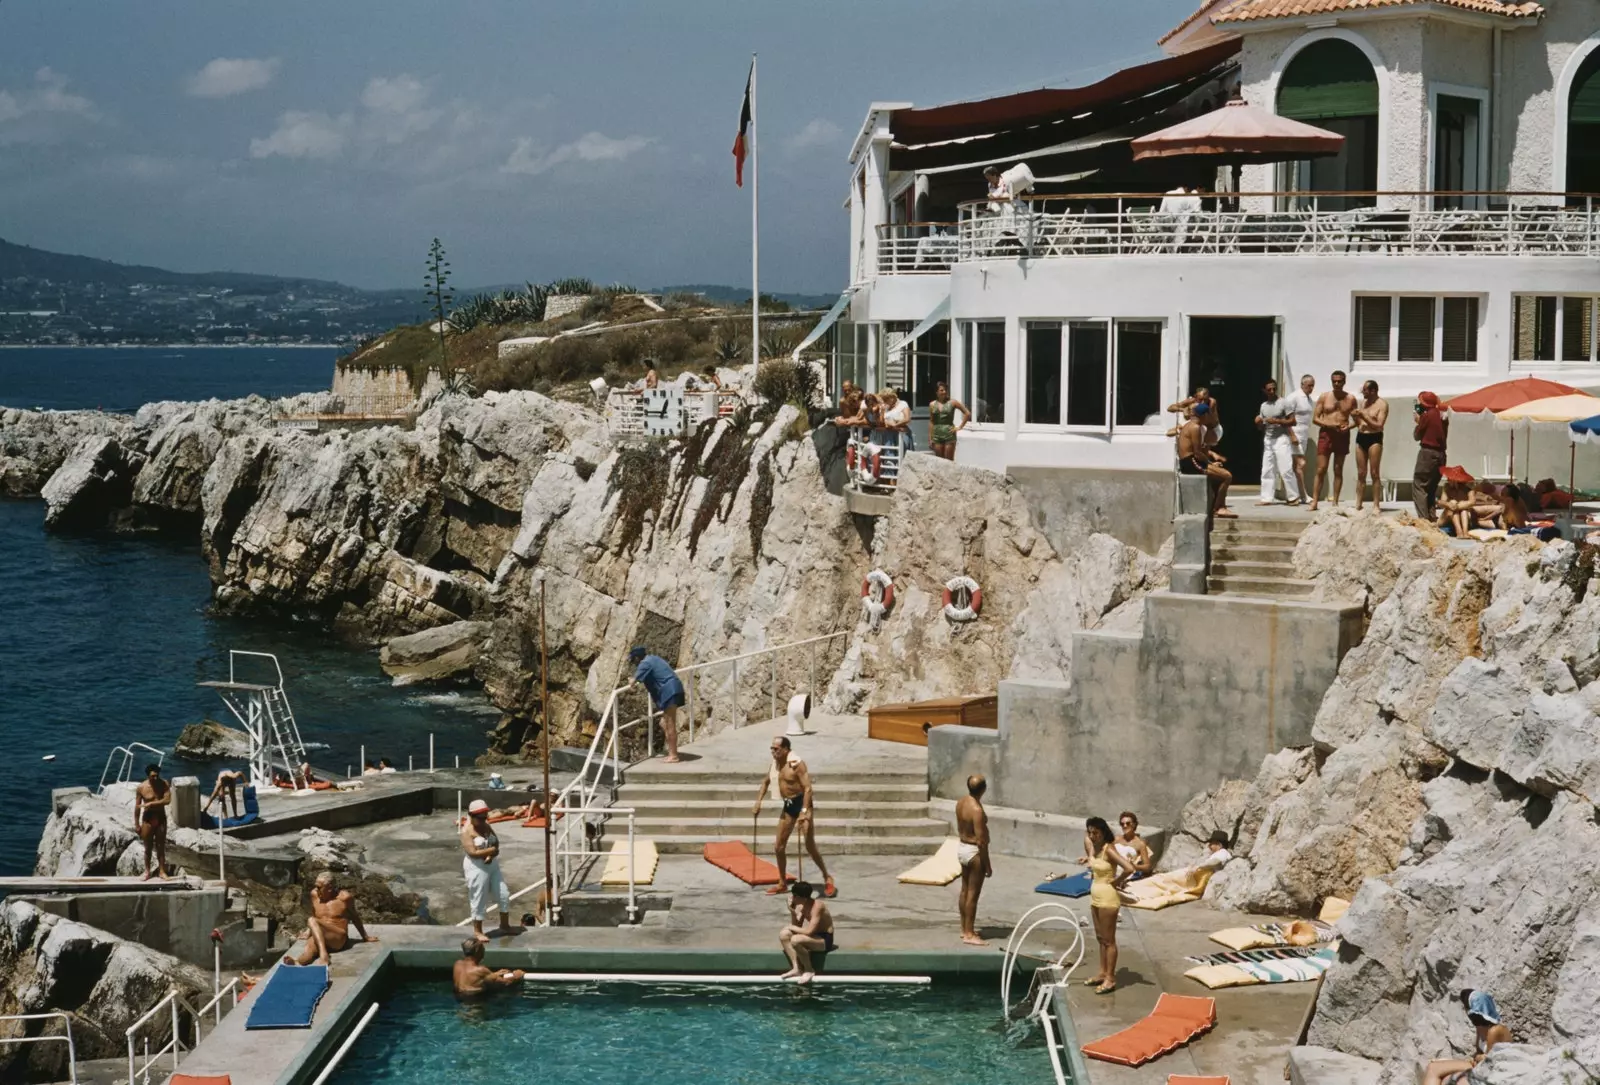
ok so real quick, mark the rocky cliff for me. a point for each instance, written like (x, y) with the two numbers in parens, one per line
(1451, 792)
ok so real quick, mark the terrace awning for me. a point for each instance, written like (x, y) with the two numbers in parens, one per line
(940, 312)
(825, 323)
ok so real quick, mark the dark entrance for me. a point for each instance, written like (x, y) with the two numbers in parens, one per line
(1234, 356)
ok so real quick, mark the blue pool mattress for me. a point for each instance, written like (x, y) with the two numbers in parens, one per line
(289, 997)
(1074, 885)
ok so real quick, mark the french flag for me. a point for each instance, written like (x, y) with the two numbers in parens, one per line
(739, 149)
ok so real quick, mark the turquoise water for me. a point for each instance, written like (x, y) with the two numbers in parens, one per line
(631, 1034)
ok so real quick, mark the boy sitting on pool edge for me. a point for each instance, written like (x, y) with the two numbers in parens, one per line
(810, 931)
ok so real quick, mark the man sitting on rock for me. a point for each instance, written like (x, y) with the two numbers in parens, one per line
(328, 928)
(472, 977)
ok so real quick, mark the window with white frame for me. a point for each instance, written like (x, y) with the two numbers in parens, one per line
(1416, 327)
(984, 347)
(1553, 327)
(1092, 375)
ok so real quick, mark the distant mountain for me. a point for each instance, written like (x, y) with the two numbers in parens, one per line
(736, 295)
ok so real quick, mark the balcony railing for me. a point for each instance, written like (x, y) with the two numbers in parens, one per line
(629, 414)
(917, 248)
(1399, 223)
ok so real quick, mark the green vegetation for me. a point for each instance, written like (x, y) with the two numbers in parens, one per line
(437, 286)
(783, 380)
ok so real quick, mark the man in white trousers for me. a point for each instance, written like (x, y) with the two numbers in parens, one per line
(1276, 422)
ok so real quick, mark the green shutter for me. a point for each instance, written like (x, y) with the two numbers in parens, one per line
(1586, 93)
(1330, 78)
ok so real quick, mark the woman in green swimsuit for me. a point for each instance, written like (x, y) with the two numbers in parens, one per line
(942, 429)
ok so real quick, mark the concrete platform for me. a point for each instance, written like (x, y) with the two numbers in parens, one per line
(834, 747)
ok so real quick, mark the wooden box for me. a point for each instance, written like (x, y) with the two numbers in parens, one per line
(910, 723)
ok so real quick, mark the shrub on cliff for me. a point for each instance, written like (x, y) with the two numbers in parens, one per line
(784, 380)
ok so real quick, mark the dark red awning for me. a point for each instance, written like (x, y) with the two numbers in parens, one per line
(1035, 107)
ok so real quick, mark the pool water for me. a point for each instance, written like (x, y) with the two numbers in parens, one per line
(633, 1034)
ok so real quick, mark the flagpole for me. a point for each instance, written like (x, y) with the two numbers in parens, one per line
(755, 222)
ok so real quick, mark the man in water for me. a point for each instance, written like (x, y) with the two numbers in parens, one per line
(972, 825)
(150, 804)
(789, 778)
(666, 691)
(1332, 419)
(809, 930)
(328, 928)
(472, 977)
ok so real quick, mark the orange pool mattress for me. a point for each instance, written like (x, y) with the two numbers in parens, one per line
(737, 859)
(1176, 1020)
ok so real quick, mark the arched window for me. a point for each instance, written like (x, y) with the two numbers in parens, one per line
(1331, 84)
(1583, 128)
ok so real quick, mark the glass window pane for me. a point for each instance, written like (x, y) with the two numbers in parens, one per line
(1534, 323)
(930, 365)
(1138, 372)
(1043, 390)
(1416, 329)
(1460, 330)
(990, 364)
(1088, 372)
(1575, 329)
(1372, 329)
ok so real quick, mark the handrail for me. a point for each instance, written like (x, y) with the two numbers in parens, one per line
(173, 1046)
(233, 652)
(125, 772)
(72, 1050)
(214, 1007)
(344, 1048)
(1032, 197)
(1055, 913)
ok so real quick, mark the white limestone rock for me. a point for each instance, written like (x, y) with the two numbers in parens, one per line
(88, 837)
(434, 655)
(92, 484)
(34, 444)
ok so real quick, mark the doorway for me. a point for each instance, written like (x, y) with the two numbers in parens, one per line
(1234, 356)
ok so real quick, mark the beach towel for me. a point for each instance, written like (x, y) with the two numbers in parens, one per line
(1271, 953)
(737, 859)
(1073, 885)
(1297, 932)
(940, 868)
(1164, 890)
(1191, 1079)
(1176, 1020)
(289, 998)
(645, 860)
(1217, 976)
(1248, 970)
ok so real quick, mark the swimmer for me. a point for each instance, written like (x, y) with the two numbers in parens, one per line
(810, 930)
(472, 977)
(972, 824)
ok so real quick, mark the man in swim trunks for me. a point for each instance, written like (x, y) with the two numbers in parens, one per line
(666, 691)
(150, 804)
(328, 927)
(1370, 415)
(972, 826)
(1332, 419)
(809, 930)
(1195, 458)
(227, 789)
(788, 777)
(471, 977)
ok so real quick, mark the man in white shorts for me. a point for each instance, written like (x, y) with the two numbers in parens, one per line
(972, 826)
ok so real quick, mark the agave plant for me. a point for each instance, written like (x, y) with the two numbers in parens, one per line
(780, 341)
(477, 310)
(572, 286)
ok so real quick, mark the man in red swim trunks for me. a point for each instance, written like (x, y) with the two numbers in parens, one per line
(1332, 419)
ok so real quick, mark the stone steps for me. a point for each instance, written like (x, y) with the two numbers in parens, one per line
(1278, 555)
(829, 845)
(1276, 570)
(738, 828)
(1260, 585)
(736, 809)
(1254, 555)
(744, 793)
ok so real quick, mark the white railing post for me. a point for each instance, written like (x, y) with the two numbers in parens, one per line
(694, 687)
(649, 725)
(734, 719)
(811, 650)
(176, 1046)
(633, 910)
(430, 751)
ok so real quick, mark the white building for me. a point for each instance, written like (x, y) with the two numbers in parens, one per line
(1449, 245)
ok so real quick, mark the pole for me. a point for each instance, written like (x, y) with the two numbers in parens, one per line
(755, 223)
(430, 751)
(544, 734)
(363, 758)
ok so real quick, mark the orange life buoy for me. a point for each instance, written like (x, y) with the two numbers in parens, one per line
(952, 601)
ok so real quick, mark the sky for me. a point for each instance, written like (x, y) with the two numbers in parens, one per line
(335, 138)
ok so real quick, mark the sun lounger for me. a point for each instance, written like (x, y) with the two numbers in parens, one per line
(1248, 972)
(645, 859)
(737, 859)
(252, 813)
(1333, 910)
(289, 998)
(1073, 885)
(1176, 1020)
(1164, 890)
(941, 868)
(193, 1079)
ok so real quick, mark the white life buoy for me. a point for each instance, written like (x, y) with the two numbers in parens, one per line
(963, 599)
(877, 596)
(869, 463)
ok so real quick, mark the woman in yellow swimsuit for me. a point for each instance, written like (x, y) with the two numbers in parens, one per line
(1108, 870)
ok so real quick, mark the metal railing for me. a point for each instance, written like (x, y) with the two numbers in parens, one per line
(124, 771)
(872, 456)
(626, 414)
(72, 1050)
(171, 1010)
(1396, 223)
(917, 248)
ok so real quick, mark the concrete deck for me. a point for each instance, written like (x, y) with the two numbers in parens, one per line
(832, 745)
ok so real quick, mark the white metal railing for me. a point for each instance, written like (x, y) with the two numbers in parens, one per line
(625, 410)
(344, 1048)
(124, 771)
(872, 456)
(917, 248)
(586, 800)
(72, 1051)
(171, 1011)
(1065, 1060)
(1397, 223)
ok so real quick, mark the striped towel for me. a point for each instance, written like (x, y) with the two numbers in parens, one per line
(1251, 956)
(1280, 931)
(1290, 970)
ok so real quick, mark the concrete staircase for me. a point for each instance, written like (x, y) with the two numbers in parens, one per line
(1253, 555)
(858, 813)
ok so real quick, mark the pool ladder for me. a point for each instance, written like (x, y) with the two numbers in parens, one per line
(1065, 1059)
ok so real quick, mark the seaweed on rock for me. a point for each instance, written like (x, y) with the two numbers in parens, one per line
(641, 476)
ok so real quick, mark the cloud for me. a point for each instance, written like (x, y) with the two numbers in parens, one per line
(304, 135)
(227, 76)
(590, 147)
(395, 109)
(37, 113)
(816, 133)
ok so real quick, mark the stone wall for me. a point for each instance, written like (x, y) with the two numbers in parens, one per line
(1070, 504)
(382, 384)
(559, 305)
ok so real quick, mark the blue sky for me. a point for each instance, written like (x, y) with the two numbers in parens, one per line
(334, 138)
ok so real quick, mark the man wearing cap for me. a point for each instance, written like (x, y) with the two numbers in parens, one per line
(666, 691)
(1194, 458)
(1431, 430)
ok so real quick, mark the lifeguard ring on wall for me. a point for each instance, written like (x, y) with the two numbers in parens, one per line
(877, 596)
(963, 599)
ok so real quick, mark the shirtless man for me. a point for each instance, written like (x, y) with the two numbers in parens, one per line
(471, 977)
(1370, 415)
(1332, 419)
(788, 777)
(972, 826)
(150, 804)
(227, 789)
(1194, 458)
(328, 928)
(809, 930)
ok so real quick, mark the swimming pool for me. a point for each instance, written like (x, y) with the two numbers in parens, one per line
(626, 1034)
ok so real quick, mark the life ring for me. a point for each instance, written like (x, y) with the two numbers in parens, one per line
(850, 457)
(877, 596)
(869, 465)
(963, 599)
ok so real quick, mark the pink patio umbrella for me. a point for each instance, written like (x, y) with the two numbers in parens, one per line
(1504, 395)
(1238, 133)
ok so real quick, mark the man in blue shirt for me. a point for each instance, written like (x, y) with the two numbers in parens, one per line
(666, 691)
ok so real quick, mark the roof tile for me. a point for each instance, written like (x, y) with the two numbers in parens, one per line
(1252, 10)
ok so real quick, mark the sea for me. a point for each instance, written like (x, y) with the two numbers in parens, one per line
(103, 639)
